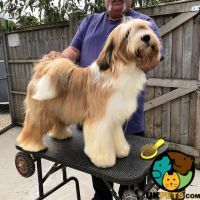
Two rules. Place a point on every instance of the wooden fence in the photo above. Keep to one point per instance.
(172, 107)
(24, 48)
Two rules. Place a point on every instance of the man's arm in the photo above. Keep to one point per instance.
(70, 52)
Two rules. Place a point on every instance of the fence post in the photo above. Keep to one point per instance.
(197, 139)
(73, 23)
(8, 76)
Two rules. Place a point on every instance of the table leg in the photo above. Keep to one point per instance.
(114, 194)
(40, 181)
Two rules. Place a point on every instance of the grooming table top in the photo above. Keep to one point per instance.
(127, 171)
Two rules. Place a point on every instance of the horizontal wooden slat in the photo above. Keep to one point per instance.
(166, 98)
(23, 61)
(176, 83)
(177, 21)
(185, 149)
(169, 8)
(18, 92)
(40, 27)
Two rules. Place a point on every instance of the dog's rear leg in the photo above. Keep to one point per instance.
(31, 137)
(99, 143)
(60, 131)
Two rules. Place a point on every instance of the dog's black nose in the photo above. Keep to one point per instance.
(146, 38)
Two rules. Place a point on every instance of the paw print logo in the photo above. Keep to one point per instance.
(173, 171)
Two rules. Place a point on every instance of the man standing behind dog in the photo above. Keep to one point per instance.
(85, 48)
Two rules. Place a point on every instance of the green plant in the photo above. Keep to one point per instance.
(48, 11)
(7, 25)
(27, 20)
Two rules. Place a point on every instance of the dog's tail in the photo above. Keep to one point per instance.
(43, 89)
(50, 78)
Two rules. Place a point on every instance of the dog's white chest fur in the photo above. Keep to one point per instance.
(123, 102)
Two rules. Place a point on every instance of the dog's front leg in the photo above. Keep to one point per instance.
(122, 148)
(99, 145)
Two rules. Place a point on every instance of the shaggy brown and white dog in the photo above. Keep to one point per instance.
(101, 97)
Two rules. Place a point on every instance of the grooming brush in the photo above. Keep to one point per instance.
(149, 151)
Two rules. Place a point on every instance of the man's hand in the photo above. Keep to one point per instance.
(70, 52)
(53, 55)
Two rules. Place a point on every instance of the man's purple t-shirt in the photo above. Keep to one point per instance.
(90, 38)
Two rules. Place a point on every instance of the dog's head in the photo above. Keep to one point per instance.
(133, 41)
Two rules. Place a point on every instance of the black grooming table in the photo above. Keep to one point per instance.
(129, 170)
(69, 153)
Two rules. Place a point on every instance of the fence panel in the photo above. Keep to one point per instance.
(172, 105)
(172, 111)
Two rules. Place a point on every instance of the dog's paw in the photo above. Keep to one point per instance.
(122, 150)
(62, 135)
(101, 158)
(34, 147)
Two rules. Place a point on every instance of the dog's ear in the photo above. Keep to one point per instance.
(104, 59)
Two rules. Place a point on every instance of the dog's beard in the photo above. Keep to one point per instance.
(146, 61)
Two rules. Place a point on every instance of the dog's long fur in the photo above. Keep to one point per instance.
(101, 97)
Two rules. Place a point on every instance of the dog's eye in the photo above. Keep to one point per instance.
(127, 34)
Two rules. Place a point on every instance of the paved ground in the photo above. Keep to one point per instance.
(15, 187)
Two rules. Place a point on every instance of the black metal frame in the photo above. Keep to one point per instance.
(53, 169)
(57, 166)
(140, 194)
(114, 194)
